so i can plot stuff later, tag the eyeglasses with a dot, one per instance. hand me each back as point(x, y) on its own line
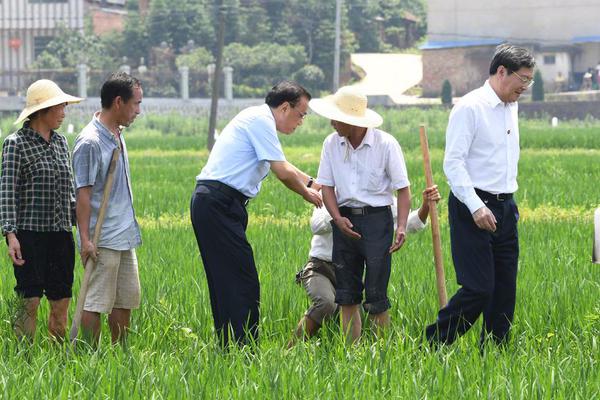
point(301, 114)
point(527, 82)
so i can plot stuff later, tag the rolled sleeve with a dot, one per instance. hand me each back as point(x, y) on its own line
point(86, 164)
point(8, 186)
point(263, 136)
point(396, 167)
point(414, 223)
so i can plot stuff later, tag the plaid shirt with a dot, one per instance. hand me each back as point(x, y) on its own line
point(36, 186)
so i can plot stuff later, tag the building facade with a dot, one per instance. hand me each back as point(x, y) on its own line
point(564, 35)
point(26, 28)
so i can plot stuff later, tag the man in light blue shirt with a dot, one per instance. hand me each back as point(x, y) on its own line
point(246, 150)
point(114, 286)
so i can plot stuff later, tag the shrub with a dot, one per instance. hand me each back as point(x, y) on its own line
point(537, 91)
point(446, 92)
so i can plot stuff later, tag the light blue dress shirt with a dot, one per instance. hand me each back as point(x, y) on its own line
point(91, 158)
point(242, 153)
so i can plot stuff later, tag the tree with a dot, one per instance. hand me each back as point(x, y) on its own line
point(537, 91)
point(311, 77)
point(446, 93)
point(196, 60)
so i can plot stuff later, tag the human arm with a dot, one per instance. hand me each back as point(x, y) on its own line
point(320, 221)
point(459, 138)
point(83, 211)
point(306, 179)
point(11, 162)
point(403, 208)
point(343, 223)
point(286, 173)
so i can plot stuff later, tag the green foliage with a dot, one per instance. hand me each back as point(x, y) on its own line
point(446, 92)
point(311, 77)
point(537, 91)
point(197, 59)
point(263, 65)
point(46, 60)
point(70, 48)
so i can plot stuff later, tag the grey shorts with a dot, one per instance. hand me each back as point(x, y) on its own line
point(114, 283)
point(320, 290)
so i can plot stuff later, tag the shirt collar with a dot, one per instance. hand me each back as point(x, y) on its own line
point(367, 140)
point(104, 131)
point(33, 134)
point(490, 95)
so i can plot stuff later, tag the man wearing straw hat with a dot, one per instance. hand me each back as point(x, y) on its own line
point(114, 286)
point(37, 208)
point(360, 169)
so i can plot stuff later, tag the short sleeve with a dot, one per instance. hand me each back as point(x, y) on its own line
point(325, 174)
point(263, 136)
point(396, 167)
point(86, 163)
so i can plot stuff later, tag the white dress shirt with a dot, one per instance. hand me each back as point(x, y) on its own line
point(321, 245)
point(482, 146)
point(367, 175)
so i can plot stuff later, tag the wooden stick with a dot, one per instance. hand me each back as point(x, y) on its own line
point(90, 264)
point(596, 251)
point(435, 223)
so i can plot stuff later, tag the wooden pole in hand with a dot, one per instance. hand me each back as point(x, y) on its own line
point(435, 223)
point(90, 263)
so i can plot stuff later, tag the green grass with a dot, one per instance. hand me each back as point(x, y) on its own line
point(554, 353)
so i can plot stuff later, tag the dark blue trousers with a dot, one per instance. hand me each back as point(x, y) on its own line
point(220, 220)
point(486, 268)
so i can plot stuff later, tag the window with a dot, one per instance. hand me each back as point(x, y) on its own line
point(550, 59)
point(39, 45)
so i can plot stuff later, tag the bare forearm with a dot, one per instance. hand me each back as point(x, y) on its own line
point(83, 210)
point(424, 211)
point(330, 201)
point(289, 176)
point(403, 207)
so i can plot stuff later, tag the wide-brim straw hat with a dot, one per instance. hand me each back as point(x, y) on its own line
point(348, 105)
point(43, 94)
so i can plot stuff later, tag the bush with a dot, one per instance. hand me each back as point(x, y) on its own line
point(446, 92)
point(311, 77)
point(196, 60)
point(537, 91)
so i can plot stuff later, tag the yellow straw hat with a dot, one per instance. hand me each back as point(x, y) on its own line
point(43, 94)
point(347, 105)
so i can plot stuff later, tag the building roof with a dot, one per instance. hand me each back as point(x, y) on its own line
point(586, 39)
point(449, 44)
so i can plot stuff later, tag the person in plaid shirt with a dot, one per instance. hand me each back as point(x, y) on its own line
point(37, 209)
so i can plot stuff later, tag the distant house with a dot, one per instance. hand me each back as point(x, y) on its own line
point(26, 28)
point(107, 15)
point(462, 35)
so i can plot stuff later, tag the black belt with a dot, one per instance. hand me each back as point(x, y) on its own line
point(349, 211)
point(491, 196)
point(225, 189)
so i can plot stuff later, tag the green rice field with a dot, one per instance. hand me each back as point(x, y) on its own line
point(172, 352)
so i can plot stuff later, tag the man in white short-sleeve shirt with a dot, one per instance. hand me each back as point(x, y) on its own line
point(361, 168)
point(247, 149)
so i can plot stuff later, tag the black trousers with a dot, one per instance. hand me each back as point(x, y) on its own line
point(220, 222)
point(486, 268)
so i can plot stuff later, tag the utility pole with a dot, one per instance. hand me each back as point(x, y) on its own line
point(336, 53)
point(214, 101)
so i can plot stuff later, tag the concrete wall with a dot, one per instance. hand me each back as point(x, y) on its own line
point(465, 67)
point(557, 21)
point(549, 72)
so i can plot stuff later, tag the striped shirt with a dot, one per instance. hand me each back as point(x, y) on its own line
point(36, 185)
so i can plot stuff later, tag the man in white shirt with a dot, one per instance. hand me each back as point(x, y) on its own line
point(482, 153)
point(360, 169)
point(318, 275)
